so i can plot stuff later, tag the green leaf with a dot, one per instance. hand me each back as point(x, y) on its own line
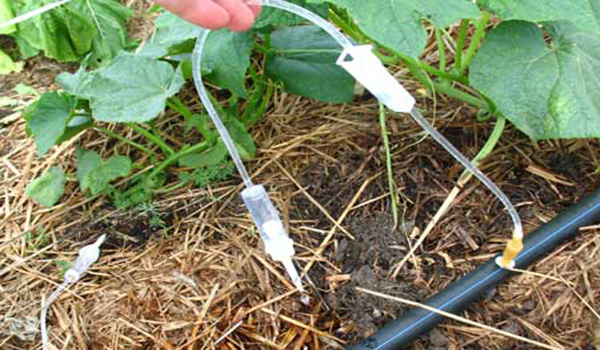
point(25, 49)
point(48, 118)
point(546, 90)
point(24, 89)
point(173, 35)
point(70, 31)
point(213, 156)
point(7, 65)
point(110, 21)
point(96, 174)
point(77, 83)
point(241, 138)
point(47, 189)
point(270, 16)
point(228, 54)
point(6, 14)
point(132, 89)
point(304, 62)
point(398, 24)
point(86, 162)
point(585, 14)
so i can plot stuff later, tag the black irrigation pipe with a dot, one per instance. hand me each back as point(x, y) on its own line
point(403, 331)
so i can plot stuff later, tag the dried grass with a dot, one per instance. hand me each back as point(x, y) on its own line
point(207, 284)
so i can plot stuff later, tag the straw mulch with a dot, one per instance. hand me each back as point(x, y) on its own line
point(202, 281)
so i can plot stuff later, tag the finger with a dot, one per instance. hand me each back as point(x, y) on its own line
point(204, 13)
point(242, 18)
point(175, 6)
point(255, 9)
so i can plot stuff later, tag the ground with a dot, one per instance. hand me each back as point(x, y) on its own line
point(201, 279)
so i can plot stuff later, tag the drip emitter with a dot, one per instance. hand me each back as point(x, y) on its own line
point(366, 68)
point(87, 256)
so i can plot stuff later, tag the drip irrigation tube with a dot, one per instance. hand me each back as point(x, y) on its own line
point(456, 297)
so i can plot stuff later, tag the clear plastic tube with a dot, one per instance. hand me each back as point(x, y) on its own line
point(86, 257)
point(512, 211)
point(514, 246)
point(31, 14)
point(199, 83)
point(295, 9)
point(47, 304)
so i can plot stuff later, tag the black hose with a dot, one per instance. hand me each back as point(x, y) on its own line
point(457, 296)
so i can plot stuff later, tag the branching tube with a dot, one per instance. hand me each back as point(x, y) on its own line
point(86, 257)
point(363, 64)
point(264, 214)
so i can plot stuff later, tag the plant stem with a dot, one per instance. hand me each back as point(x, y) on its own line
point(444, 88)
point(153, 138)
point(460, 43)
point(387, 60)
point(432, 70)
point(490, 144)
point(176, 104)
point(388, 163)
point(441, 49)
point(176, 156)
point(474, 45)
point(126, 140)
point(347, 27)
point(261, 48)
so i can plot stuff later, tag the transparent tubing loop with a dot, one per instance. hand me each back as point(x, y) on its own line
point(518, 232)
point(345, 43)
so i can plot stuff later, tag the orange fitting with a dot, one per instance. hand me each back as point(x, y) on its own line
point(513, 248)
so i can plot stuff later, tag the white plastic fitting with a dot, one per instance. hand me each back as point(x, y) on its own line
point(367, 69)
point(277, 242)
point(87, 256)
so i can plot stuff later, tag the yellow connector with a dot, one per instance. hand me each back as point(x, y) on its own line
point(513, 248)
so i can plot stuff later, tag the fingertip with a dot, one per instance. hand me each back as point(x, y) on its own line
point(208, 15)
point(256, 10)
point(242, 17)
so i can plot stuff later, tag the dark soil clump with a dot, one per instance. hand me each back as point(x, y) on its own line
point(369, 260)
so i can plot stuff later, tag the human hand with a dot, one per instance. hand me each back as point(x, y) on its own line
point(236, 15)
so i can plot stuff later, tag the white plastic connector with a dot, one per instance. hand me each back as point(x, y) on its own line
point(87, 256)
point(367, 69)
point(277, 242)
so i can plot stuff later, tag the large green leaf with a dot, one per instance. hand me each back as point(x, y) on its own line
point(6, 14)
point(70, 31)
point(546, 90)
point(398, 24)
point(227, 54)
point(275, 17)
point(48, 119)
point(304, 62)
point(7, 65)
point(95, 174)
point(173, 35)
point(47, 189)
point(110, 22)
point(132, 89)
point(61, 34)
point(583, 13)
